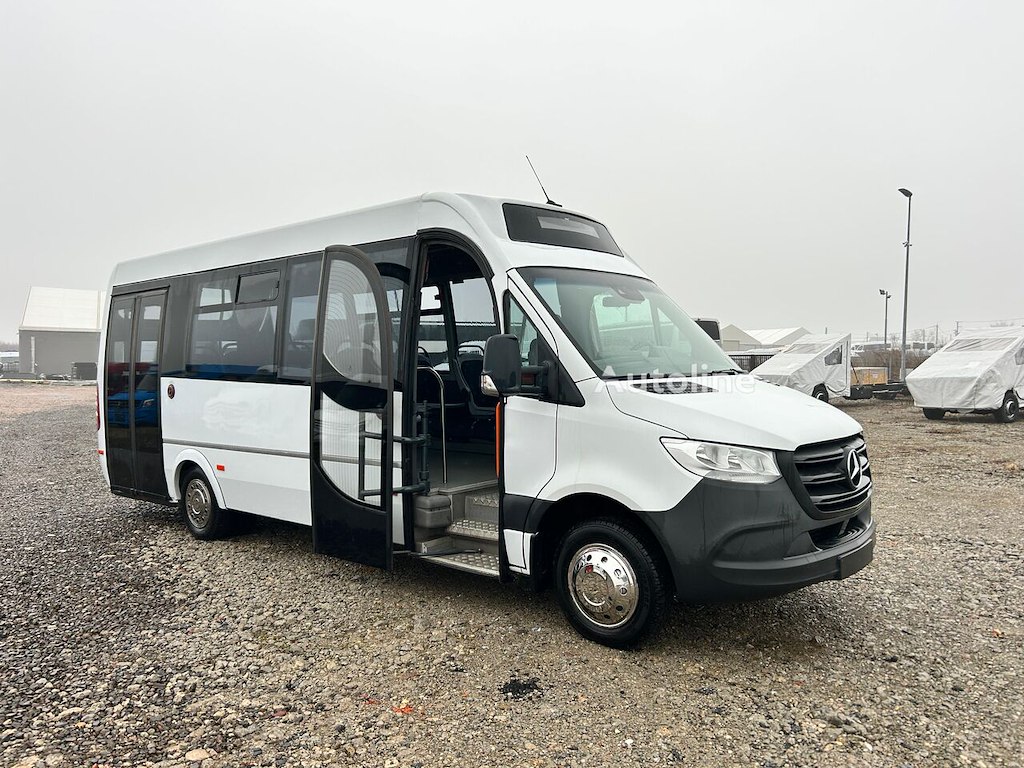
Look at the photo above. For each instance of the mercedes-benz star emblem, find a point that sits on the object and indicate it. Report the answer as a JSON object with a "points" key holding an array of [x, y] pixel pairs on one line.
{"points": [[854, 471]]}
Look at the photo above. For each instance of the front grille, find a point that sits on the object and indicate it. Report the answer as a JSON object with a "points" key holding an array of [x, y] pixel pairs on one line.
{"points": [[824, 474]]}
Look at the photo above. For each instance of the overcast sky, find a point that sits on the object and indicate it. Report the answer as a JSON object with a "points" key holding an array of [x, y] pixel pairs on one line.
{"points": [[747, 154]]}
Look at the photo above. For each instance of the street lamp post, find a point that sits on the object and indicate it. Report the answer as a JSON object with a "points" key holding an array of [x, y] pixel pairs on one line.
{"points": [[885, 334], [906, 289]]}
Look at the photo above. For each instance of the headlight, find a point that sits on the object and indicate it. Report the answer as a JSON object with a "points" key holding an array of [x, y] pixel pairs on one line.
{"points": [[723, 462]]}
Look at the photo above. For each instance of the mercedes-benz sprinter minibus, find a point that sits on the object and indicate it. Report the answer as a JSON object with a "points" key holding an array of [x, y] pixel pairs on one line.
{"points": [[489, 385]]}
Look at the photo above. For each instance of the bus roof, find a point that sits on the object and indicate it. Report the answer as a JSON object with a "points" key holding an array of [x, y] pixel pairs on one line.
{"points": [[480, 219]]}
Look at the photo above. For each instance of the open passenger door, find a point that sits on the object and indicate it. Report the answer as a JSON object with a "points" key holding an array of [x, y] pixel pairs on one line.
{"points": [[351, 446]]}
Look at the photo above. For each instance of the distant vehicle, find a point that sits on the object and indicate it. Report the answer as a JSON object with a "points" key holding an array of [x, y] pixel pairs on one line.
{"points": [[711, 327], [980, 371], [867, 347], [817, 365]]}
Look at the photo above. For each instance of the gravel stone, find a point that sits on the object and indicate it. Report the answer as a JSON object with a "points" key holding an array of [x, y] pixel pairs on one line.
{"points": [[125, 642]]}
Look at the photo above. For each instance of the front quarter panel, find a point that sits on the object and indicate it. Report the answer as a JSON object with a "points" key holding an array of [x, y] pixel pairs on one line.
{"points": [[606, 452]]}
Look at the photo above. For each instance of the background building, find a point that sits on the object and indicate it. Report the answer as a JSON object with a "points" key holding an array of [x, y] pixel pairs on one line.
{"points": [[60, 327], [735, 339]]}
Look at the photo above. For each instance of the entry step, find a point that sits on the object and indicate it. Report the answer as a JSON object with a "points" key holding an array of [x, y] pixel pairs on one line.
{"points": [[482, 563], [482, 506], [479, 530]]}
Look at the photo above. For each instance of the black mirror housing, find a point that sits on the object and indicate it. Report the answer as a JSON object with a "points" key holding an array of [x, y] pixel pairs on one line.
{"points": [[502, 363]]}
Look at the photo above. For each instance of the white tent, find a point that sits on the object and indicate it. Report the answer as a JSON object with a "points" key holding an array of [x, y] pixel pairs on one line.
{"points": [[777, 338], [979, 370], [817, 365]]}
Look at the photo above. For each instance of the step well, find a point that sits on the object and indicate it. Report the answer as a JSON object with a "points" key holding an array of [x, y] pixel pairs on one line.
{"points": [[481, 563]]}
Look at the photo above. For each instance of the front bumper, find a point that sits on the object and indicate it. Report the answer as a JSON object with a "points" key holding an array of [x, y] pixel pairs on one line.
{"points": [[730, 541]]}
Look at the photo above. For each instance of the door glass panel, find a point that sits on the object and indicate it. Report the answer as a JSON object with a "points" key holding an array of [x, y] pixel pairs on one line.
{"points": [[353, 385], [118, 394], [149, 466]]}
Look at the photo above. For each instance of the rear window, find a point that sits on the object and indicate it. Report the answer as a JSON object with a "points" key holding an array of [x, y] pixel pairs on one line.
{"points": [[527, 224]]}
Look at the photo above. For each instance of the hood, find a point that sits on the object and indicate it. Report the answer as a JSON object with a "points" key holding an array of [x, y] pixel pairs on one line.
{"points": [[733, 409]]}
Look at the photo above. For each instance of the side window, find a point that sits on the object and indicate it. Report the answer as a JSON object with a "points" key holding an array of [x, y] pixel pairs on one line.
{"points": [[258, 287], [523, 329], [473, 308], [835, 357], [300, 318], [1019, 357], [228, 339], [431, 342]]}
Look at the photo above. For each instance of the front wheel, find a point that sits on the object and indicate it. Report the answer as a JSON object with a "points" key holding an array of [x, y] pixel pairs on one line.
{"points": [[204, 517], [1009, 410], [611, 584], [934, 414], [820, 393]]}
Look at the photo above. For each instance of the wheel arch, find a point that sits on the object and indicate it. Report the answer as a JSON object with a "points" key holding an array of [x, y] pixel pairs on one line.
{"points": [[550, 521], [184, 462]]}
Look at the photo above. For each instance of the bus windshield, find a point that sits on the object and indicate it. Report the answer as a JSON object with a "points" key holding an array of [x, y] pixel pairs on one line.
{"points": [[625, 326]]}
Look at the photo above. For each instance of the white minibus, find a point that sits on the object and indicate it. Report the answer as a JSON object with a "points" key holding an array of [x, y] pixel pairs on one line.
{"points": [[490, 385]]}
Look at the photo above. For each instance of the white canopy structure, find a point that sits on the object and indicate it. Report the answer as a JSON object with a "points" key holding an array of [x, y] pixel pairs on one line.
{"points": [[817, 365], [778, 337], [979, 370]]}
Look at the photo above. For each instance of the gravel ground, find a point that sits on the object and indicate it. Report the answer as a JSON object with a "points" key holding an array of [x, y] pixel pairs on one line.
{"points": [[125, 642]]}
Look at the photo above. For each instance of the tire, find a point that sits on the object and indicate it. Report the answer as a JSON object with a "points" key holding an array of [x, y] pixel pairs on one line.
{"points": [[204, 517], [934, 414], [820, 393], [1009, 410], [617, 607]]}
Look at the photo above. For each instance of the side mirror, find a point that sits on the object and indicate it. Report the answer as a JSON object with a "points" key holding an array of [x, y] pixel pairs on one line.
{"points": [[502, 366], [504, 373]]}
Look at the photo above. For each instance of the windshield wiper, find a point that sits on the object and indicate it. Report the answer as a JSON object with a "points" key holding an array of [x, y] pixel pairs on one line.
{"points": [[721, 372]]}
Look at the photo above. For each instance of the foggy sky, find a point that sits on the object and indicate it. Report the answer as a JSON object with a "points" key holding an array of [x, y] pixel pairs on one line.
{"points": [[747, 154]]}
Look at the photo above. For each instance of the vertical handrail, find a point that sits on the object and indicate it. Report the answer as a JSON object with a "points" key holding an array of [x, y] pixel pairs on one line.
{"points": [[361, 460], [444, 434]]}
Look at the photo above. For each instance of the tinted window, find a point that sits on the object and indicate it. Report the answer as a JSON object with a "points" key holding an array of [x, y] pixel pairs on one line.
{"points": [[212, 293], [548, 227], [235, 344], [835, 357], [259, 287], [300, 318], [231, 340]]}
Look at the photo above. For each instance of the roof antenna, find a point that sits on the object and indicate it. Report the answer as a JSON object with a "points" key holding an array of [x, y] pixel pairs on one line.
{"points": [[536, 176]]}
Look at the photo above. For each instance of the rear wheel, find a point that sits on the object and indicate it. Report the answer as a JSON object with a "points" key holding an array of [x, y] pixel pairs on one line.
{"points": [[820, 393], [934, 414], [1009, 410], [204, 518], [611, 584]]}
